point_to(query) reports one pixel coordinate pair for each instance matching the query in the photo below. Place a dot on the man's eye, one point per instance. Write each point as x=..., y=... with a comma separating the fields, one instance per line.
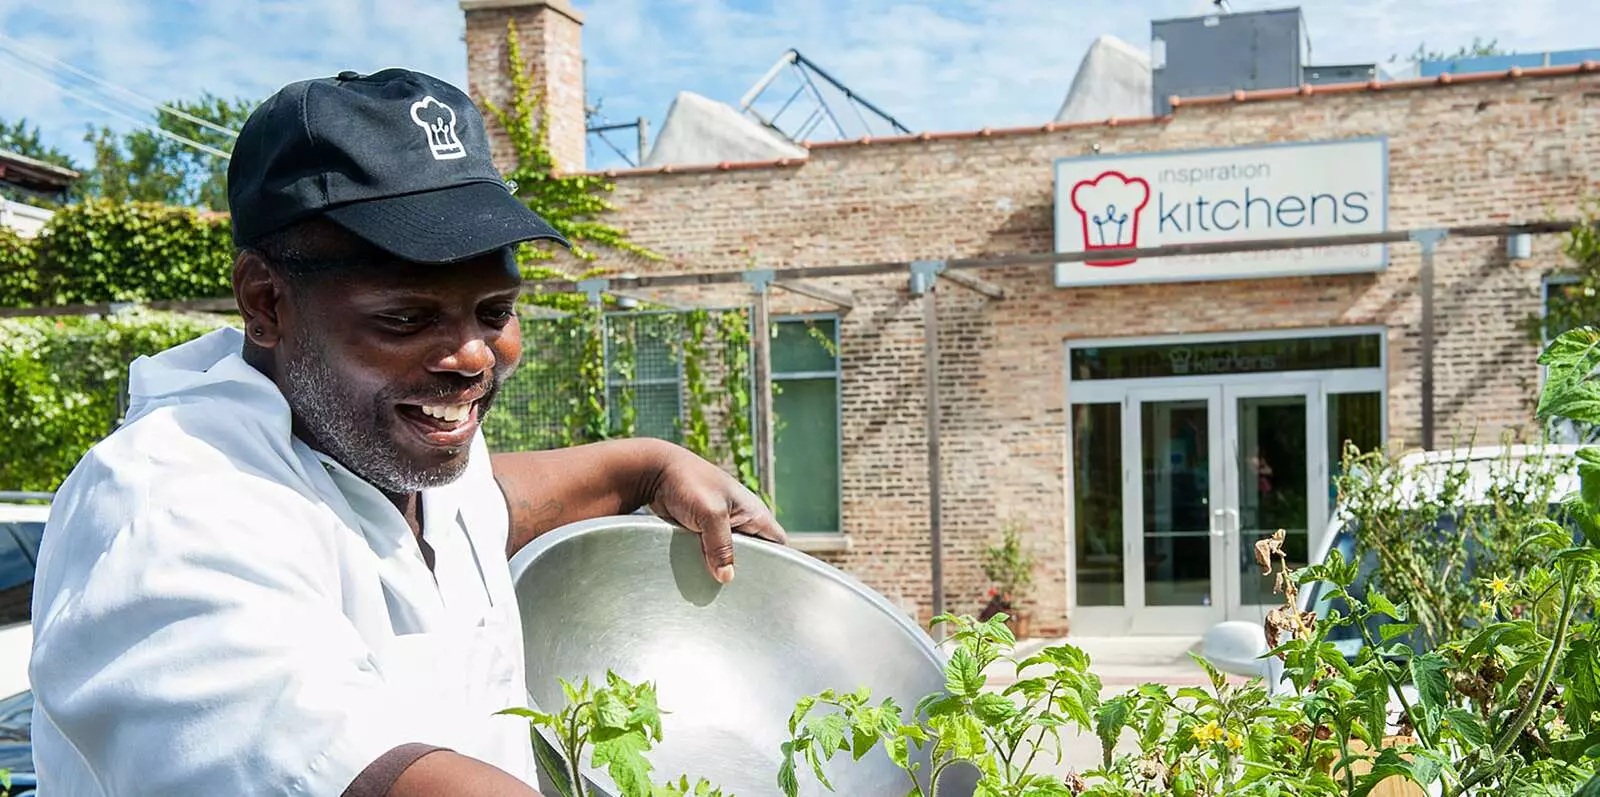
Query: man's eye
x=403, y=319
x=499, y=316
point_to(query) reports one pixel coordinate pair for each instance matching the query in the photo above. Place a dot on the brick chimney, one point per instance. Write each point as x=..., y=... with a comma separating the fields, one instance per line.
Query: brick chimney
x=550, y=33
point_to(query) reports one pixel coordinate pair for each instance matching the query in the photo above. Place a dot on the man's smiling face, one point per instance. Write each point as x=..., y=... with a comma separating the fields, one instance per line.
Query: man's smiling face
x=389, y=367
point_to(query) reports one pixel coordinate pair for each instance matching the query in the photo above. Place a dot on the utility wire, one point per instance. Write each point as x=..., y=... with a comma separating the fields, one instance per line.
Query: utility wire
x=22, y=51
x=94, y=103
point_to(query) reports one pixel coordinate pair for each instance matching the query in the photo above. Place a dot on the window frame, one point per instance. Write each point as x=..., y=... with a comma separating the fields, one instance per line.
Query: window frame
x=837, y=375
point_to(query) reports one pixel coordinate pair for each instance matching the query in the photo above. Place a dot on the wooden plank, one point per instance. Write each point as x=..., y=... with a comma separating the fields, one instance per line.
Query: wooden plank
x=970, y=282
x=762, y=338
x=816, y=292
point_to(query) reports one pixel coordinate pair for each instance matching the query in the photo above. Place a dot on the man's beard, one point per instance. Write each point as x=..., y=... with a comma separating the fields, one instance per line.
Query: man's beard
x=362, y=437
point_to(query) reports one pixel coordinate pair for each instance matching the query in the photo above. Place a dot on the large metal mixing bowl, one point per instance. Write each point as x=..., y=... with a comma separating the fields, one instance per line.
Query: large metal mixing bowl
x=632, y=594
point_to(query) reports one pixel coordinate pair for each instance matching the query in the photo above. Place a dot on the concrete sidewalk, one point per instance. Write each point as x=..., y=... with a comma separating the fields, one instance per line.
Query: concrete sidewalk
x=1121, y=662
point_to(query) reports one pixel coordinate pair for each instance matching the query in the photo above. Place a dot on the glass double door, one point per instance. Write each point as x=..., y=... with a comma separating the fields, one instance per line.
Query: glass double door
x=1209, y=471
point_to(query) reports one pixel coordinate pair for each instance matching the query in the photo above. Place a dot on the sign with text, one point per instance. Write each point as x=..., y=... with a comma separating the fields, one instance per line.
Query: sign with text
x=1107, y=205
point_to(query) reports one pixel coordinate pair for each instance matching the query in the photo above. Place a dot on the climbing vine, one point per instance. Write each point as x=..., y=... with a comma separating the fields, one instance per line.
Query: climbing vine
x=624, y=363
x=691, y=351
x=572, y=203
x=733, y=327
x=586, y=420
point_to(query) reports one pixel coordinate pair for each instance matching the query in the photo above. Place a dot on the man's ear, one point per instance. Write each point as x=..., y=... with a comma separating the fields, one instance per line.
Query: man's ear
x=263, y=298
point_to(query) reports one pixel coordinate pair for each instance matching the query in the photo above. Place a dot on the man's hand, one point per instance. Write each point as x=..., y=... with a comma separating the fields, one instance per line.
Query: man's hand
x=701, y=497
x=548, y=489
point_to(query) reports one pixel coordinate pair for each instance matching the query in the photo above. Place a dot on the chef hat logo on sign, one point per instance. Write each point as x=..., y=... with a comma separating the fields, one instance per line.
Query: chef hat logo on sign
x=439, y=122
x=1109, y=207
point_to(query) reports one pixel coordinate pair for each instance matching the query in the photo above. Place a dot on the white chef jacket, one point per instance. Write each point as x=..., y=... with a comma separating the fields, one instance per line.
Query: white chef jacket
x=220, y=610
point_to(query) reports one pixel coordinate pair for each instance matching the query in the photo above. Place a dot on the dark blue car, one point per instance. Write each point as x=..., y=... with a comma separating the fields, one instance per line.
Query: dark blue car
x=21, y=529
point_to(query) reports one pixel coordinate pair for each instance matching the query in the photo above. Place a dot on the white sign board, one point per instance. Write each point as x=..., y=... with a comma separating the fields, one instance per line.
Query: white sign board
x=1106, y=205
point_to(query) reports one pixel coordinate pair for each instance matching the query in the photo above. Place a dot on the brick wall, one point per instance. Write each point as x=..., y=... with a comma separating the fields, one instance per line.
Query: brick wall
x=1514, y=150
x=550, y=34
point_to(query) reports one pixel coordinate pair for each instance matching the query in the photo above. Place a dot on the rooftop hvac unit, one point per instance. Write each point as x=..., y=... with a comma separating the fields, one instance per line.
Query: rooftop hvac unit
x=1222, y=53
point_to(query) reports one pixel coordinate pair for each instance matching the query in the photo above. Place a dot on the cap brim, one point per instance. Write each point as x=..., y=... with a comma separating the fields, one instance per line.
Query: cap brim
x=445, y=226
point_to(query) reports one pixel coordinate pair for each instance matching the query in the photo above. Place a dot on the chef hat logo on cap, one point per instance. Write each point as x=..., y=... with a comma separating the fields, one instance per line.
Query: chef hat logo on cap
x=399, y=158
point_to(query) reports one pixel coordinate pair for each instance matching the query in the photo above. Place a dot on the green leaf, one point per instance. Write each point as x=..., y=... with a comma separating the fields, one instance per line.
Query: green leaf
x=994, y=710
x=551, y=764
x=1113, y=716
x=609, y=711
x=861, y=741
x=1390, y=631
x=622, y=756
x=898, y=753
x=963, y=675
x=801, y=708
x=1387, y=765
x=1467, y=726
x=787, y=782
x=1218, y=680
x=1381, y=605
x=816, y=759
x=1155, y=724
x=829, y=732
x=1577, y=559
x=1580, y=677
x=1570, y=391
x=1433, y=689
x=1073, y=705
x=1589, y=475
x=938, y=705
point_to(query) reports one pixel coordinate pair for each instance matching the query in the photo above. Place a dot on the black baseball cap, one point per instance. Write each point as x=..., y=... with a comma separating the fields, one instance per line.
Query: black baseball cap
x=398, y=158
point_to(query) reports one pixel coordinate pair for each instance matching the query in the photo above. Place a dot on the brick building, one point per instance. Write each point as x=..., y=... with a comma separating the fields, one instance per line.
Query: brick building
x=1141, y=418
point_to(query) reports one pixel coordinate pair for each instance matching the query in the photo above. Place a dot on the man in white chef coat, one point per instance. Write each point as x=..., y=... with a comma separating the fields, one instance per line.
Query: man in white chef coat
x=286, y=573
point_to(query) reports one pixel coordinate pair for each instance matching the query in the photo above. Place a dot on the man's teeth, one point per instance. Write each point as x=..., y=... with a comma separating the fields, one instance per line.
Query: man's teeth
x=449, y=413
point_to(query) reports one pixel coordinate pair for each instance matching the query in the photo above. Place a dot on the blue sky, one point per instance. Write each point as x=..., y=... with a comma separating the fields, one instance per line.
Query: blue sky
x=937, y=65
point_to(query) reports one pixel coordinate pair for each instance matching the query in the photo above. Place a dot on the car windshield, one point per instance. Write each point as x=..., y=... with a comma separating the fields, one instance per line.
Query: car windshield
x=1347, y=638
x=19, y=552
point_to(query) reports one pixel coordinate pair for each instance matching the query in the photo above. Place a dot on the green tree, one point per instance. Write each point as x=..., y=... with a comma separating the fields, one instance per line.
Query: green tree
x=18, y=137
x=142, y=166
x=21, y=138
x=1477, y=49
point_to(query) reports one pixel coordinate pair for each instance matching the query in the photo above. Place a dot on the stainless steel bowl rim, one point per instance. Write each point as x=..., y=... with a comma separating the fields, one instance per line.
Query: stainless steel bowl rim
x=530, y=553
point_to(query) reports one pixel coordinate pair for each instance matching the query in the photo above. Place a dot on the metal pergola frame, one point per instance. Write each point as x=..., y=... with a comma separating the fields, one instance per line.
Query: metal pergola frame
x=924, y=276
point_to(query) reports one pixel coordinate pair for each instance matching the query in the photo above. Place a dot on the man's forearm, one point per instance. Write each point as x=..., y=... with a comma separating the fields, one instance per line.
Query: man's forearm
x=548, y=489
x=419, y=770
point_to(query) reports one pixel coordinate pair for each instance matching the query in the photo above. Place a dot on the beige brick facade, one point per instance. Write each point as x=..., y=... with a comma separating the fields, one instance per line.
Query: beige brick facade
x=1509, y=150
x=1513, y=150
x=550, y=33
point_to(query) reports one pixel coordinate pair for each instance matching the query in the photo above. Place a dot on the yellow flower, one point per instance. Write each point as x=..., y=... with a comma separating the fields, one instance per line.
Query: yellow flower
x=1499, y=585
x=1234, y=741
x=1209, y=732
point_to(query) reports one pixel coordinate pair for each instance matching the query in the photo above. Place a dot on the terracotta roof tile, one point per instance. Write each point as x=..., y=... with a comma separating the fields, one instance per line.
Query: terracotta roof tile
x=1264, y=95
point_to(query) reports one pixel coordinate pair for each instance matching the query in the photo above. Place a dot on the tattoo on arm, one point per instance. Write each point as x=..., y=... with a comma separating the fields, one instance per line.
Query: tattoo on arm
x=529, y=516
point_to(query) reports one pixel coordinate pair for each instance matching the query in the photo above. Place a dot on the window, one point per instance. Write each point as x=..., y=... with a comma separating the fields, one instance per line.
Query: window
x=1097, y=502
x=805, y=403
x=1146, y=361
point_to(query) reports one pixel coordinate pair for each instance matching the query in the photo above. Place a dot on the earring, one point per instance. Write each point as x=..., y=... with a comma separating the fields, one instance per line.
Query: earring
x=258, y=332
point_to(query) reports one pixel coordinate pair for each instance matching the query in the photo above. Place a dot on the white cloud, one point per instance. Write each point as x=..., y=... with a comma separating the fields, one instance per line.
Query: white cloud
x=953, y=64
x=165, y=50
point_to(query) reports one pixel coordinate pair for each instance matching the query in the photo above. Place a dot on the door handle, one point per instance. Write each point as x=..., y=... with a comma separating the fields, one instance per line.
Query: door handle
x=1220, y=529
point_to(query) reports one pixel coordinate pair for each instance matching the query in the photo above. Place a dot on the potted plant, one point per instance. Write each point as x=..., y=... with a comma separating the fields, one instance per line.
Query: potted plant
x=1009, y=569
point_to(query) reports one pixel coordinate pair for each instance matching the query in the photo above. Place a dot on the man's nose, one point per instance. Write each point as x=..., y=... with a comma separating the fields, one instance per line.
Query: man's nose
x=469, y=355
